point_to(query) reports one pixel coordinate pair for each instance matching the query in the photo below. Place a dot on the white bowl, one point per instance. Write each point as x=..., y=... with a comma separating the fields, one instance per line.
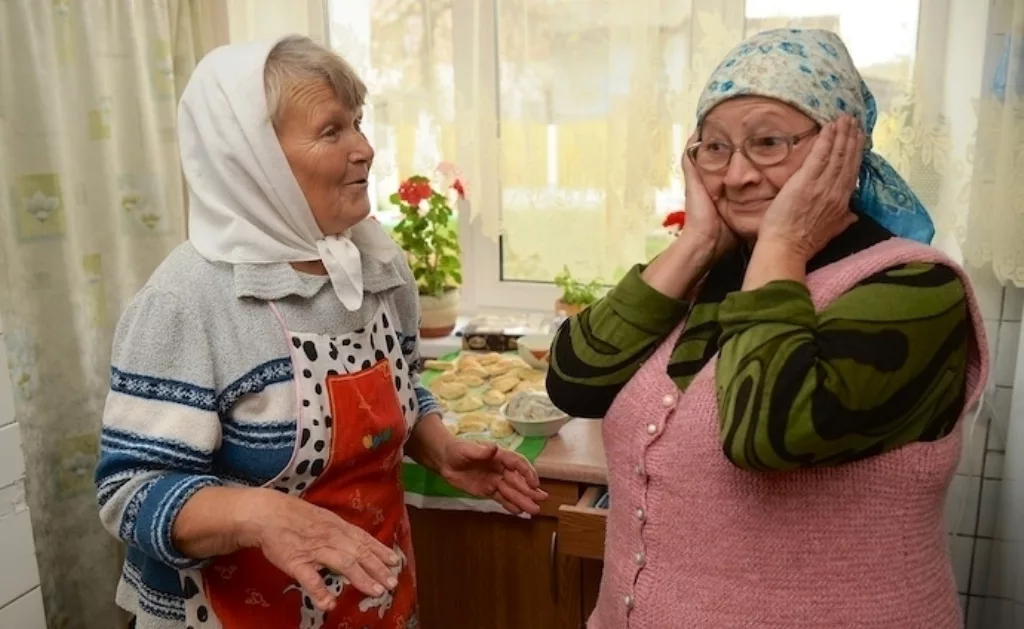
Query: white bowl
x=547, y=427
x=535, y=348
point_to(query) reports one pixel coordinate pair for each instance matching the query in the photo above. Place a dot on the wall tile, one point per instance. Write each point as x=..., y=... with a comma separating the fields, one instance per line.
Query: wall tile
x=25, y=612
x=962, y=505
x=17, y=548
x=1006, y=357
x=960, y=551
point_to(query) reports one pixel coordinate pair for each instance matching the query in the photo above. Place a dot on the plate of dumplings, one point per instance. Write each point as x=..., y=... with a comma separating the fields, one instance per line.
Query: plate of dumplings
x=474, y=385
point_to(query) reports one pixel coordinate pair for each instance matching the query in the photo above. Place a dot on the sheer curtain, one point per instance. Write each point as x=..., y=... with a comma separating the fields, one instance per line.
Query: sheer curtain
x=91, y=202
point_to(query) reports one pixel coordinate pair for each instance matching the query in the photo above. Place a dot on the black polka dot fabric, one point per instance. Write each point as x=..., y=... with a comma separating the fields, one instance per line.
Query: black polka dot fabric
x=315, y=357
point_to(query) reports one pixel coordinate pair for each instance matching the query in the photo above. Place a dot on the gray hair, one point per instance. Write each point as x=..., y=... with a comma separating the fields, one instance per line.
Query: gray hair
x=297, y=58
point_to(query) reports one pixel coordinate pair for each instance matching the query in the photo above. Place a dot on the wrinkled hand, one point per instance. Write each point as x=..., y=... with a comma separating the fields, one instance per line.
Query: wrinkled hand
x=813, y=207
x=487, y=471
x=703, y=220
x=301, y=538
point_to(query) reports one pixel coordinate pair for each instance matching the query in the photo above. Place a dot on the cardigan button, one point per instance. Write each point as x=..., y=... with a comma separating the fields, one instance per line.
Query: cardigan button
x=669, y=401
x=640, y=559
x=652, y=429
x=640, y=515
x=629, y=602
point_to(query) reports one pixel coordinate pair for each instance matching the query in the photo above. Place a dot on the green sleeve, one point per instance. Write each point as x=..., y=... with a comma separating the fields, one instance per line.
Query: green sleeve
x=597, y=351
x=883, y=366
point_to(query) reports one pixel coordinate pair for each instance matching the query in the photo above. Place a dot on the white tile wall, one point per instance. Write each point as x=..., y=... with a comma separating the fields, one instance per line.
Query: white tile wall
x=975, y=541
x=21, y=605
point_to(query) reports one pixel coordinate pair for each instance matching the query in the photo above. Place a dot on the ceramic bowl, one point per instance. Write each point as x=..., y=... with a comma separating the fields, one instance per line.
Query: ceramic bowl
x=535, y=348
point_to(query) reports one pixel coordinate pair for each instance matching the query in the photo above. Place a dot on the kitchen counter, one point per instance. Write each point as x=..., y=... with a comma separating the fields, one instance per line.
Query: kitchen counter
x=514, y=573
x=575, y=454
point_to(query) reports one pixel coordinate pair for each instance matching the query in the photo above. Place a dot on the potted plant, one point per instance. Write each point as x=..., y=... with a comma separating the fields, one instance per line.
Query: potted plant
x=432, y=248
x=575, y=294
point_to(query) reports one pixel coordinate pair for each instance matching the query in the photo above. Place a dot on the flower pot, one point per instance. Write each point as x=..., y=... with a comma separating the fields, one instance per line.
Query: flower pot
x=568, y=310
x=439, y=314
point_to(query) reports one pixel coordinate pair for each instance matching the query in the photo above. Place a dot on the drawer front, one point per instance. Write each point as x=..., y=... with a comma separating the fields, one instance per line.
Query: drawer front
x=581, y=527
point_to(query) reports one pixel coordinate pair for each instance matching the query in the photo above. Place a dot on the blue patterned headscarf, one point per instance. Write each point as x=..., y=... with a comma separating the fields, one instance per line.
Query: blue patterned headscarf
x=812, y=71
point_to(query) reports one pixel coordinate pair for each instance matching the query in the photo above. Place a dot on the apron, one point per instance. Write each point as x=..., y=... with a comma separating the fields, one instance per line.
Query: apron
x=348, y=453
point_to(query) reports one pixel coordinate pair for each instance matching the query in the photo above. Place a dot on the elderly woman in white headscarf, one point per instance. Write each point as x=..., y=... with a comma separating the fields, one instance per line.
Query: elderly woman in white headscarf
x=264, y=382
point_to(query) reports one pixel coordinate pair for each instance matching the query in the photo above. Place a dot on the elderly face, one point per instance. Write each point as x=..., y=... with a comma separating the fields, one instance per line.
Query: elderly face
x=328, y=153
x=743, y=190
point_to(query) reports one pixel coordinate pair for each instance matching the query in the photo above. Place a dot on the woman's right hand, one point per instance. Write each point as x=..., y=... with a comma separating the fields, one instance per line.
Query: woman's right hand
x=301, y=538
x=703, y=221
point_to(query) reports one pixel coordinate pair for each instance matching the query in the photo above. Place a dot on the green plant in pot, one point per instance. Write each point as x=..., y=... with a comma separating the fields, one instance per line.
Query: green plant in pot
x=432, y=248
x=576, y=295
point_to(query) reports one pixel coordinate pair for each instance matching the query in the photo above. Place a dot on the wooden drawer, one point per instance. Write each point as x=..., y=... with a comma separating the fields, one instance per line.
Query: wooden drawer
x=581, y=527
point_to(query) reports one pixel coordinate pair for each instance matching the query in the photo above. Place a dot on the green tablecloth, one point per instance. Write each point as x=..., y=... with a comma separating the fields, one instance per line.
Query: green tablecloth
x=427, y=490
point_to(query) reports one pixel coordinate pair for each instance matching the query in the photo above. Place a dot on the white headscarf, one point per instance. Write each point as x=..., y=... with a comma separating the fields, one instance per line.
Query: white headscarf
x=245, y=205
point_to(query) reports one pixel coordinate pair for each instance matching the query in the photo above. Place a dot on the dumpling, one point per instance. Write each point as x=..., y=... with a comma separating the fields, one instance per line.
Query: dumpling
x=470, y=379
x=441, y=379
x=483, y=416
x=493, y=397
x=530, y=374
x=504, y=384
x=467, y=363
x=514, y=362
x=527, y=385
x=474, y=422
x=451, y=391
x=490, y=358
x=500, y=428
x=497, y=369
x=438, y=365
x=477, y=372
x=467, y=404
x=452, y=428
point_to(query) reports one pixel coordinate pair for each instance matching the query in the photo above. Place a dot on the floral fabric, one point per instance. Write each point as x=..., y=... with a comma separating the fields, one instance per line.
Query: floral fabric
x=811, y=69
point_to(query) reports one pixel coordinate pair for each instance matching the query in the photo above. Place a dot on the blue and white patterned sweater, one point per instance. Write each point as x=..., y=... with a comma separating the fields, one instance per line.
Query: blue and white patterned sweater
x=201, y=394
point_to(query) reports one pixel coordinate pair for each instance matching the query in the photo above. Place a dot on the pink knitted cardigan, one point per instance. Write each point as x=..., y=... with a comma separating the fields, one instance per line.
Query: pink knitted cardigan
x=696, y=543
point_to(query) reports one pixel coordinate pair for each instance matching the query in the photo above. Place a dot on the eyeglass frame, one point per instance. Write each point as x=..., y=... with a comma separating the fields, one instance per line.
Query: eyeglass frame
x=791, y=141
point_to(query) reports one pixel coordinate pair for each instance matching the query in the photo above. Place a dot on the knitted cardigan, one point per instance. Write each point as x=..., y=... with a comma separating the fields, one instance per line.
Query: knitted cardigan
x=695, y=542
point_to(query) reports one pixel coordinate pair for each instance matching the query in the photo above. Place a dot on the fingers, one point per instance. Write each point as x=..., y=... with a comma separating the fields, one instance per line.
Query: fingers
x=506, y=504
x=313, y=584
x=843, y=151
x=517, y=496
x=818, y=158
x=357, y=575
x=851, y=171
x=476, y=451
x=361, y=559
x=521, y=484
x=518, y=463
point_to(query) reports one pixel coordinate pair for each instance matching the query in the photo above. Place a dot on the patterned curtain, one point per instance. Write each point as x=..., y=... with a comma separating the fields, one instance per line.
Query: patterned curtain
x=91, y=200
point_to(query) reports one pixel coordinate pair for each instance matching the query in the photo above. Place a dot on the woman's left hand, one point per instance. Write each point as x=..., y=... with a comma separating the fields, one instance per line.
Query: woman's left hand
x=487, y=471
x=813, y=207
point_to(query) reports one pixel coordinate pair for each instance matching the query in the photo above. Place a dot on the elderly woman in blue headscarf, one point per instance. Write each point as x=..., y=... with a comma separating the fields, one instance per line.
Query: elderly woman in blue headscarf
x=782, y=387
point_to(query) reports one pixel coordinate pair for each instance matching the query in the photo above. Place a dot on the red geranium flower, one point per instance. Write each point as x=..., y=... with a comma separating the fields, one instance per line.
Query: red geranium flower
x=457, y=187
x=675, y=219
x=414, y=190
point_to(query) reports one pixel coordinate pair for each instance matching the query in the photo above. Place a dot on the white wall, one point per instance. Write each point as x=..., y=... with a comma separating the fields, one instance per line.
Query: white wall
x=21, y=606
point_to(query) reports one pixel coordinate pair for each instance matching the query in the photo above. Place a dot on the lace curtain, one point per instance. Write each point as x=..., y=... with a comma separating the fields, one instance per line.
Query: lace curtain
x=92, y=200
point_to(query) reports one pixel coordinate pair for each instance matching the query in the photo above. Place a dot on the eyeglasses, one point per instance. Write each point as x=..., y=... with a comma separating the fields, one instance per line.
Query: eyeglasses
x=762, y=150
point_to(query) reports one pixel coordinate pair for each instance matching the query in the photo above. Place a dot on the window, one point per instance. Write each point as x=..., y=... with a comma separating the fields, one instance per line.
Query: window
x=568, y=117
x=403, y=51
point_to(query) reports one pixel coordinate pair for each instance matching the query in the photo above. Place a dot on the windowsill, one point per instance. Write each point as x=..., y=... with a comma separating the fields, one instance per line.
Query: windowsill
x=436, y=348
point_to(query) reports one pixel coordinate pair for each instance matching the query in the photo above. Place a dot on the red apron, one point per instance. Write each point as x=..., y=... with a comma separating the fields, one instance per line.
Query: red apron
x=348, y=453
